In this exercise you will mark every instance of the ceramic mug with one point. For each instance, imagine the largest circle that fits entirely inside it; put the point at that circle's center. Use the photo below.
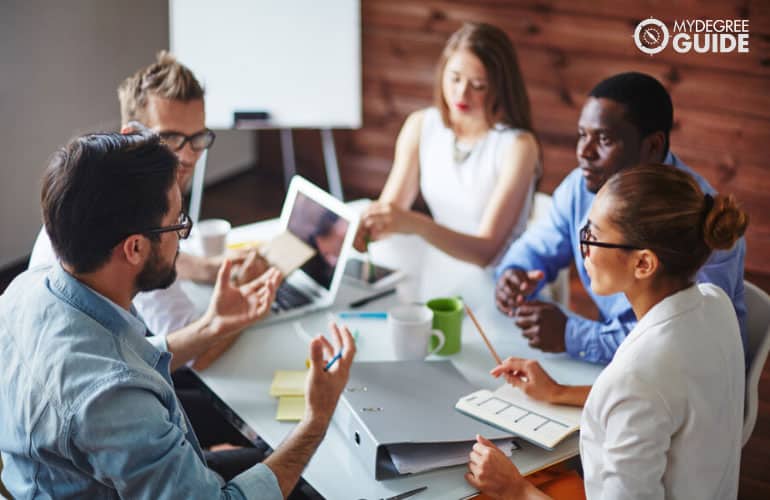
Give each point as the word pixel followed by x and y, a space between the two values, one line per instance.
pixel 212 234
pixel 411 332
pixel 448 317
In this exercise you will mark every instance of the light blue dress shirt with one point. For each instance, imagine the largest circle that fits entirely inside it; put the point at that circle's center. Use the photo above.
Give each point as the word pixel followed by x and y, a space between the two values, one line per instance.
pixel 551 244
pixel 87 407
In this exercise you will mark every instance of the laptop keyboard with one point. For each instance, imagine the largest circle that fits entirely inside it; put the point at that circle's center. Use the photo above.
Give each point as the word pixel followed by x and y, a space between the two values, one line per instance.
pixel 289 297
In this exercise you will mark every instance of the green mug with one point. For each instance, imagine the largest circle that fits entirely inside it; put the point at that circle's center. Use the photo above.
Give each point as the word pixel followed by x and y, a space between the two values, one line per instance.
pixel 447 317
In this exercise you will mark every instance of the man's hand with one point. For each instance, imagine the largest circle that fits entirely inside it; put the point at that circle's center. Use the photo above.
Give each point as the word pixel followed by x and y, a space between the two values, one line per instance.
pixel 323 388
pixel 543 324
pixel 247 265
pixel 529 376
pixel 493 474
pixel 232 308
pixel 513 287
pixel 251 265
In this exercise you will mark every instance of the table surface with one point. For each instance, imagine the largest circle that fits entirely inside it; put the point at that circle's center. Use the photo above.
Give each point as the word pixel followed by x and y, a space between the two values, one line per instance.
pixel 242 376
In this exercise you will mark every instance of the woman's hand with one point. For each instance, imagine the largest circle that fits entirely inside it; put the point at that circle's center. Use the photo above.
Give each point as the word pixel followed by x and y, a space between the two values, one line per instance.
pixel 381 219
pixel 529 376
pixel 492 473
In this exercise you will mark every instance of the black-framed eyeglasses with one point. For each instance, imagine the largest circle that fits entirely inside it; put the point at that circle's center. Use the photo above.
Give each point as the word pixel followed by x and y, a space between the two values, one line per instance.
pixel 198 141
pixel 183 228
pixel 586 242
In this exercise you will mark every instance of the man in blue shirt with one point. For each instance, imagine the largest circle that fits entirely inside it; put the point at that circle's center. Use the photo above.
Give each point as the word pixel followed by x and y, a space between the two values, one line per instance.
pixel 625 121
pixel 87 406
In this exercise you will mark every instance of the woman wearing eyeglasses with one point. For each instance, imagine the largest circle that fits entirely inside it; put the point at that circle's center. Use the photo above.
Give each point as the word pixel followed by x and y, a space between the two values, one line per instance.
pixel 664 418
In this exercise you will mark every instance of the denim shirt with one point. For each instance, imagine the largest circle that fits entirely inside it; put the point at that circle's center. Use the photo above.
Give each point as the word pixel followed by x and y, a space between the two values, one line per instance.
pixel 87 406
pixel 553 243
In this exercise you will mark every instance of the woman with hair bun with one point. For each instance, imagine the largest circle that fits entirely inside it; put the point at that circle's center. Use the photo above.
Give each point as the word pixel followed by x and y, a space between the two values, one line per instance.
pixel 664 418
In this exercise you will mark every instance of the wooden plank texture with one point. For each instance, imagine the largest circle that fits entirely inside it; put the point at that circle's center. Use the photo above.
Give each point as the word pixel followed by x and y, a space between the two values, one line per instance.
pixel 565 47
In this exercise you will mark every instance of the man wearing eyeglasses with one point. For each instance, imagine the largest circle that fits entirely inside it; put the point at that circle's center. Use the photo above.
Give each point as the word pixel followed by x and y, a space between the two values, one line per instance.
pixel 87 407
pixel 166 98
pixel 626 120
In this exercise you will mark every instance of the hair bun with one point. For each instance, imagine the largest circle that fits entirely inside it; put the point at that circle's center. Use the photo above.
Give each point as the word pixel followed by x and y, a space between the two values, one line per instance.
pixel 725 223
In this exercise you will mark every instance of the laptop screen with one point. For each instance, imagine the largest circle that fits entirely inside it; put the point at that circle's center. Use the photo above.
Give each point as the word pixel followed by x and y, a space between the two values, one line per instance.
pixel 323 230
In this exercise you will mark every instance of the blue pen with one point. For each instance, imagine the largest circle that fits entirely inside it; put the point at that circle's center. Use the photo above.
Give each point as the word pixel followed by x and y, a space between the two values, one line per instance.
pixel 363 315
pixel 339 354
pixel 333 360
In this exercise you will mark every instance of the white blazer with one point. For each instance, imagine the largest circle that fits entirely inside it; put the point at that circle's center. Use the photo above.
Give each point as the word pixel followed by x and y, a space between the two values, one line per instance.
pixel 664 419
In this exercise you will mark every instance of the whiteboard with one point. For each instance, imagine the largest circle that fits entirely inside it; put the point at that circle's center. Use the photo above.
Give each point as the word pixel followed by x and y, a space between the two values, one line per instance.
pixel 299 60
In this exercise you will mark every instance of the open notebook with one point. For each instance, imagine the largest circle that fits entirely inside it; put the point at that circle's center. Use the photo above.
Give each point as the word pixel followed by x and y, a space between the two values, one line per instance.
pixel 509 409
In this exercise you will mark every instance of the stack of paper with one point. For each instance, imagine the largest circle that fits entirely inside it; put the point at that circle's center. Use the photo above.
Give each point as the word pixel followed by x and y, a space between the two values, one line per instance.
pixel 411 458
pixel 289 387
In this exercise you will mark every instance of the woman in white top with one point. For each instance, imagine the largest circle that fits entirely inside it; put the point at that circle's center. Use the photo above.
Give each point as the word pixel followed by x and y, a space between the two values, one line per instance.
pixel 474 156
pixel 664 419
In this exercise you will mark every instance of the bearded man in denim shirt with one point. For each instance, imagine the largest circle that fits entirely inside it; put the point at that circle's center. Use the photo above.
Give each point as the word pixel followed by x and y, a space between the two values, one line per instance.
pixel 87 406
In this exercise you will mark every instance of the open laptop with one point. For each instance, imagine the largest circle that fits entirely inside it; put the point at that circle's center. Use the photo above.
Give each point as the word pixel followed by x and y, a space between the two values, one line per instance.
pixel 329 226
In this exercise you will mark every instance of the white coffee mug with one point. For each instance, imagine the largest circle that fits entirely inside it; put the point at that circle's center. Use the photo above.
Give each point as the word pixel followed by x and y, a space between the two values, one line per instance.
pixel 212 234
pixel 410 331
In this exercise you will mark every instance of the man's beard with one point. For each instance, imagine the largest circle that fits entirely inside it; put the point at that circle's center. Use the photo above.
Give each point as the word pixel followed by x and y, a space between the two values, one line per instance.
pixel 156 274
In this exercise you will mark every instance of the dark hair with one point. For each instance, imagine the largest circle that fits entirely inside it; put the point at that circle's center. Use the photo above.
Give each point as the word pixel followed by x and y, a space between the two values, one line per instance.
pixel 662 208
pixel 101 188
pixel 648 104
pixel 507 99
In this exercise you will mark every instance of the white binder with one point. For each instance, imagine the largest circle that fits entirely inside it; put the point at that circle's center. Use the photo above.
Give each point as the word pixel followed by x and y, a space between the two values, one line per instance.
pixel 398 402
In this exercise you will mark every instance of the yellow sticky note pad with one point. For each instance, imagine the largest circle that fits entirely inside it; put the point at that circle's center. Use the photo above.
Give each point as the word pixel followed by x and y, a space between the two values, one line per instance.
pixel 241 245
pixel 288 383
pixel 290 408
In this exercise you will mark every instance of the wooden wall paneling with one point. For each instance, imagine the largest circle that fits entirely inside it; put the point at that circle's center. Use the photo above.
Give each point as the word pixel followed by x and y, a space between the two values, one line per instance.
pixel 722 108
pixel 592 32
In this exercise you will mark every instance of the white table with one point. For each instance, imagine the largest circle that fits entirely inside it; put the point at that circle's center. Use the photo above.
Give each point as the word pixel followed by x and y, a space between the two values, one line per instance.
pixel 242 376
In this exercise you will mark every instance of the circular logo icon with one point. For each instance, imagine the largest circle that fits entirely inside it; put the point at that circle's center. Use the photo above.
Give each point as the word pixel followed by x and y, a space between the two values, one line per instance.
pixel 651 36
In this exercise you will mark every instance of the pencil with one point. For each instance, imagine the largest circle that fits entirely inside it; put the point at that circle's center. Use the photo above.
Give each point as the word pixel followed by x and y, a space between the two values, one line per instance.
pixel 481 332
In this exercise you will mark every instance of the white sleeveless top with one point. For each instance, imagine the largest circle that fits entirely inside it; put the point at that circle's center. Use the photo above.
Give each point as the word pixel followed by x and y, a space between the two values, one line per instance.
pixel 458 193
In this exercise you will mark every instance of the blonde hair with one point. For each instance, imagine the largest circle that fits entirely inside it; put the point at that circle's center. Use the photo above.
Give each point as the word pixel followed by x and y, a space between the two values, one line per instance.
pixel 165 78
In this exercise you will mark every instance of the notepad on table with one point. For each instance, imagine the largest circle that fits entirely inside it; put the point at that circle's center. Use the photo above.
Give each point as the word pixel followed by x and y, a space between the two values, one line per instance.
pixel 289 387
pixel 509 409
pixel 288 383
pixel 290 408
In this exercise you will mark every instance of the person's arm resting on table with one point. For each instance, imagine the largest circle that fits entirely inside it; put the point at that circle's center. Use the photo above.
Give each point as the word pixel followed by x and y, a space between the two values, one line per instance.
pixel 391 213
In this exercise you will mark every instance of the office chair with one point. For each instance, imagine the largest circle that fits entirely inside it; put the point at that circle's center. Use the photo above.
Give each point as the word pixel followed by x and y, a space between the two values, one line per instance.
pixel 758 331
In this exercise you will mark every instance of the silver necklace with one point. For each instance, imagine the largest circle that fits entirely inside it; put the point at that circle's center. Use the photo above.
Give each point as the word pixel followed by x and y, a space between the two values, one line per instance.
pixel 459 155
